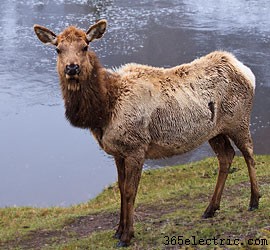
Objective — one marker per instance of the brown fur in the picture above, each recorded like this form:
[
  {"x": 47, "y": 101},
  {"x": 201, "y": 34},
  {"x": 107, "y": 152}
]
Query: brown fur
[{"x": 139, "y": 112}]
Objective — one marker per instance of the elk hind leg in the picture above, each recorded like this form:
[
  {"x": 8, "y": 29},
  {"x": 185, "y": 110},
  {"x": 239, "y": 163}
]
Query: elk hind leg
[
  {"x": 225, "y": 154},
  {"x": 244, "y": 142}
]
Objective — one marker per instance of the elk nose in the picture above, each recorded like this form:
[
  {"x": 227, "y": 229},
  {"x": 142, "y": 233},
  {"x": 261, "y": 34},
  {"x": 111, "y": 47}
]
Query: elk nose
[{"x": 72, "y": 69}]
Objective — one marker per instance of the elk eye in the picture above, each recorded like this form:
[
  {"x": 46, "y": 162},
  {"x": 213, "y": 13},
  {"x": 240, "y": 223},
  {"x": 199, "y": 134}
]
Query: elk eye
[
  {"x": 57, "y": 50},
  {"x": 85, "y": 48}
]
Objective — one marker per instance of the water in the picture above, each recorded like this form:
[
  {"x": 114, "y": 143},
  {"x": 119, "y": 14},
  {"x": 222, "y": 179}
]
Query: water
[{"x": 45, "y": 161}]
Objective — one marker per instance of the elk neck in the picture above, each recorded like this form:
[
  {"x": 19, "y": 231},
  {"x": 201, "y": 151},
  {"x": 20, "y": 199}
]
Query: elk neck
[{"x": 89, "y": 105}]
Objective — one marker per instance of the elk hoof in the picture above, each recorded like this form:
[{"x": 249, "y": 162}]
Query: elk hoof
[
  {"x": 254, "y": 203},
  {"x": 117, "y": 235},
  {"x": 252, "y": 208},
  {"x": 210, "y": 211},
  {"x": 208, "y": 214},
  {"x": 121, "y": 244}
]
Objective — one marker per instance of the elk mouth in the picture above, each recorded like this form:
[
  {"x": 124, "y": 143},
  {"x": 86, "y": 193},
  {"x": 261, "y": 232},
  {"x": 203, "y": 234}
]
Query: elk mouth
[
  {"x": 73, "y": 87},
  {"x": 73, "y": 83}
]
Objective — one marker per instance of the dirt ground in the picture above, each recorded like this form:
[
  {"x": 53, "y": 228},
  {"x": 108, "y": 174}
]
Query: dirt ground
[{"x": 83, "y": 226}]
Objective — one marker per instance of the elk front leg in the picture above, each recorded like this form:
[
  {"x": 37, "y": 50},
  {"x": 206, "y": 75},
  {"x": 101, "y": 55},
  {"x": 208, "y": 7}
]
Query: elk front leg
[
  {"x": 120, "y": 164},
  {"x": 132, "y": 174}
]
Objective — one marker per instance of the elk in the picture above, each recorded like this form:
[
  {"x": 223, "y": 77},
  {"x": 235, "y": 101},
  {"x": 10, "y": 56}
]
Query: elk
[{"x": 140, "y": 112}]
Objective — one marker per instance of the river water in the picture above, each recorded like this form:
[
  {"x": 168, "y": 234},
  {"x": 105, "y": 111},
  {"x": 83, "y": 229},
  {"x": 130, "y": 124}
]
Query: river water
[{"x": 43, "y": 160}]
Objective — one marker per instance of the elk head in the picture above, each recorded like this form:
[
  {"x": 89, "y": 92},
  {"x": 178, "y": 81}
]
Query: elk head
[{"x": 73, "y": 63}]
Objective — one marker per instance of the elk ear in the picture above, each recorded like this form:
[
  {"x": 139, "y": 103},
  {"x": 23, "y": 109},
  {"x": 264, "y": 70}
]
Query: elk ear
[
  {"x": 45, "y": 35},
  {"x": 97, "y": 30}
]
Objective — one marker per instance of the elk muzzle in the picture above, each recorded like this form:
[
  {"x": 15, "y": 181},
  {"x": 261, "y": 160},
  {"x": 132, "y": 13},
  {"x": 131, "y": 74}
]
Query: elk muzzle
[{"x": 72, "y": 69}]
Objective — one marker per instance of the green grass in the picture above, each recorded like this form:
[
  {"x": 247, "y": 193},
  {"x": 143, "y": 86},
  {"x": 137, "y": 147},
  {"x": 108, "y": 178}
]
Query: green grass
[{"x": 170, "y": 203}]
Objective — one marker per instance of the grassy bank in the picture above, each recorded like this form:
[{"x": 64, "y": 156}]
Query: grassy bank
[{"x": 169, "y": 204}]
